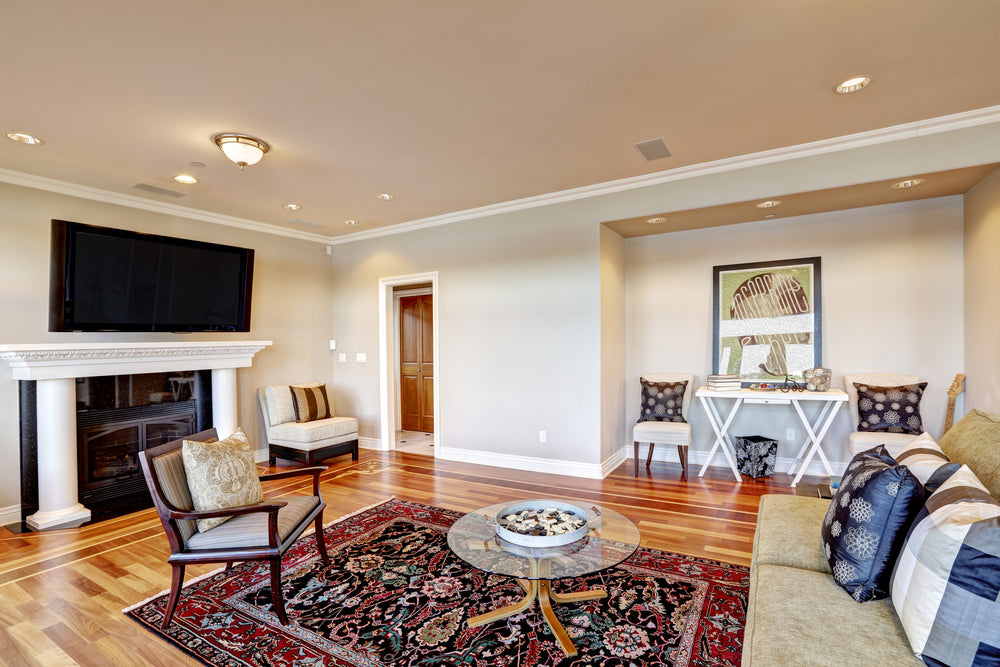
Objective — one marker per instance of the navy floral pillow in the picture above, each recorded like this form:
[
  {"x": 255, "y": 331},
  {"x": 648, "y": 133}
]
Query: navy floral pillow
[
  {"x": 662, "y": 401},
  {"x": 890, "y": 409},
  {"x": 866, "y": 525}
]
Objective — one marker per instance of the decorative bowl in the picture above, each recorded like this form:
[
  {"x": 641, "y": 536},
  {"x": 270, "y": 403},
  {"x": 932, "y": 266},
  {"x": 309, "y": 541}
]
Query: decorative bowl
[{"x": 505, "y": 527}]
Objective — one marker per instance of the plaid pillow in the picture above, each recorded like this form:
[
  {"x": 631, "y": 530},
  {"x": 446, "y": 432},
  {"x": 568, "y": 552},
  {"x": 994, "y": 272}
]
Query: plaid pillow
[
  {"x": 311, "y": 402},
  {"x": 944, "y": 586}
]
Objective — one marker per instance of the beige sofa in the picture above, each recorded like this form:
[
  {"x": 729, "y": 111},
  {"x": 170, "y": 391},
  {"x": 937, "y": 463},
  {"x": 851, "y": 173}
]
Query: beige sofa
[{"x": 796, "y": 614}]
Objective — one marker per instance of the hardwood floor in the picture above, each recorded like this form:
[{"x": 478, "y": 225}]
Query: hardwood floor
[{"x": 62, "y": 591}]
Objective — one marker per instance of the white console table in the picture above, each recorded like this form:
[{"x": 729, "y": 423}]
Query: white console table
[{"x": 815, "y": 431}]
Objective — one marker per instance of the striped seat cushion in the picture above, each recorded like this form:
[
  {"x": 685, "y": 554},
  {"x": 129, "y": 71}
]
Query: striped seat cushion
[
  {"x": 946, "y": 580},
  {"x": 250, "y": 530},
  {"x": 169, "y": 470}
]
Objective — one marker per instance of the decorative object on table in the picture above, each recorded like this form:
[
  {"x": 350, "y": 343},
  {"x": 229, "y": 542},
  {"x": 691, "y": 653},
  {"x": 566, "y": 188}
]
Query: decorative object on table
[
  {"x": 767, "y": 319},
  {"x": 763, "y": 386},
  {"x": 890, "y": 409},
  {"x": 817, "y": 379},
  {"x": 867, "y": 521},
  {"x": 393, "y": 594},
  {"x": 755, "y": 455},
  {"x": 542, "y": 523},
  {"x": 728, "y": 382},
  {"x": 956, "y": 387},
  {"x": 791, "y": 385}
]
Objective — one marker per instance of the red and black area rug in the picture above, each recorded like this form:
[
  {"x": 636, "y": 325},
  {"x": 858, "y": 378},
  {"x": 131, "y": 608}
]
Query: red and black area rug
[{"x": 394, "y": 594}]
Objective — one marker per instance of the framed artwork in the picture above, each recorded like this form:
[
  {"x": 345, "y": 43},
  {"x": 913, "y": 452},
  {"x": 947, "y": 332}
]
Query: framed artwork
[{"x": 767, "y": 319}]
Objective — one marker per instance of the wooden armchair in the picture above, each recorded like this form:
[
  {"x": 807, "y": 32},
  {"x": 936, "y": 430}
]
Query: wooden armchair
[{"x": 257, "y": 532}]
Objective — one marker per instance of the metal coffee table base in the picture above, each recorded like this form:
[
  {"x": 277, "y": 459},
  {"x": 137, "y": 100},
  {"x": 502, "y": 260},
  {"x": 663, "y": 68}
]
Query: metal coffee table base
[{"x": 541, "y": 589}]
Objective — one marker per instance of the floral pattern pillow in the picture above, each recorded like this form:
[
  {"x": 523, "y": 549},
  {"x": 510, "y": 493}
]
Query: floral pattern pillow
[
  {"x": 890, "y": 409},
  {"x": 221, "y": 475},
  {"x": 662, "y": 401}
]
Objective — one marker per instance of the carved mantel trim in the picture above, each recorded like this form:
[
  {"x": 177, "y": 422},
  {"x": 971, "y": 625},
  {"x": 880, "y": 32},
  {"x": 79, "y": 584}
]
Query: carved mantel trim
[{"x": 49, "y": 361}]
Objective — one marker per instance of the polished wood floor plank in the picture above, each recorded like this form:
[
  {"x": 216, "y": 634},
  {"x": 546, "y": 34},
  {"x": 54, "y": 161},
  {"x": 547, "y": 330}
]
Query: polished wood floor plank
[{"x": 62, "y": 592}]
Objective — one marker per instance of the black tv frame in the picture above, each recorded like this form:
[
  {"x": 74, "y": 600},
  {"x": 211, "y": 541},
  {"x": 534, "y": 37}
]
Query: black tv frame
[{"x": 60, "y": 315}]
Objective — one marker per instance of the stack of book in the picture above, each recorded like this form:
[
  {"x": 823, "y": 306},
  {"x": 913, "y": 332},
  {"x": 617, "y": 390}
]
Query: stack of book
[{"x": 723, "y": 382}]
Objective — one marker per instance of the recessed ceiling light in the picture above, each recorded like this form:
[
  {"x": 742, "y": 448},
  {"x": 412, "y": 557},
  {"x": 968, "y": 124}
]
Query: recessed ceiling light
[
  {"x": 770, "y": 203},
  {"x": 292, "y": 207},
  {"x": 23, "y": 138},
  {"x": 385, "y": 196},
  {"x": 187, "y": 179},
  {"x": 350, "y": 222},
  {"x": 852, "y": 85},
  {"x": 656, "y": 221},
  {"x": 909, "y": 183},
  {"x": 769, "y": 216}
]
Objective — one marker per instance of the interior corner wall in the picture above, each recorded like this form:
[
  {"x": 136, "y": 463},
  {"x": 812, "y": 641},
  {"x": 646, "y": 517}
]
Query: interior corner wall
[
  {"x": 892, "y": 289},
  {"x": 291, "y": 302},
  {"x": 613, "y": 426},
  {"x": 982, "y": 305},
  {"x": 518, "y": 332}
]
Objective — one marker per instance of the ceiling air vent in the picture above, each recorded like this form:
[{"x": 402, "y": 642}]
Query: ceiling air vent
[
  {"x": 155, "y": 189},
  {"x": 299, "y": 222},
  {"x": 654, "y": 149}
]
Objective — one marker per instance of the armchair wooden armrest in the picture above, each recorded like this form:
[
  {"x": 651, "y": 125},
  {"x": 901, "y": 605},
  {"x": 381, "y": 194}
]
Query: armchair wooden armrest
[
  {"x": 315, "y": 471},
  {"x": 265, "y": 506}
]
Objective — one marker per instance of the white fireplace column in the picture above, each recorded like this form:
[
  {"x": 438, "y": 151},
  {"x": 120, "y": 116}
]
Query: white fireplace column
[
  {"x": 57, "y": 469},
  {"x": 56, "y": 366}
]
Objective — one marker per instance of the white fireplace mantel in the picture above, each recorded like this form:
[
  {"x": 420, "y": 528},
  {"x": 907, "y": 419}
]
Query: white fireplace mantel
[
  {"x": 50, "y": 361},
  {"x": 56, "y": 366}
]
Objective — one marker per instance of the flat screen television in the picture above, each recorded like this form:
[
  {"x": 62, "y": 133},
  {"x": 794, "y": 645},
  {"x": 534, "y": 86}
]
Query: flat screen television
[{"x": 105, "y": 279}]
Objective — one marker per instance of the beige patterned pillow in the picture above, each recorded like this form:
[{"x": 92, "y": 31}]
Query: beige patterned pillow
[
  {"x": 311, "y": 402},
  {"x": 221, "y": 475}
]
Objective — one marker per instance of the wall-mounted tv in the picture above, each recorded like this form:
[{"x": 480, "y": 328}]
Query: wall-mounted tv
[{"x": 105, "y": 279}]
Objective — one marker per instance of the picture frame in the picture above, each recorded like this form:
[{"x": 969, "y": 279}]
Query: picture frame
[{"x": 767, "y": 319}]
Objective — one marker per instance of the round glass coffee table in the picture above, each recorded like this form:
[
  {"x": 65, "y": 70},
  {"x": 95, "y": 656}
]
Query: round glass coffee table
[{"x": 610, "y": 539}]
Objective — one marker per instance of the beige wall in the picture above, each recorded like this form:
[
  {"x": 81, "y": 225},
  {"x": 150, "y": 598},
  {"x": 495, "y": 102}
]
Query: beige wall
[
  {"x": 518, "y": 329},
  {"x": 982, "y": 305},
  {"x": 892, "y": 302},
  {"x": 291, "y": 302},
  {"x": 613, "y": 422}
]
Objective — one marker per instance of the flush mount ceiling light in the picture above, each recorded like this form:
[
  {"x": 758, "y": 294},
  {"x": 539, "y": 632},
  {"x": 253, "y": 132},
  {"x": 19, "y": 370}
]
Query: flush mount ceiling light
[
  {"x": 656, "y": 220},
  {"x": 23, "y": 138},
  {"x": 242, "y": 149},
  {"x": 909, "y": 183},
  {"x": 770, "y": 203},
  {"x": 852, "y": 85},
  {"x": 187, "y": 179},
  {"x": 385, "y": 196}
]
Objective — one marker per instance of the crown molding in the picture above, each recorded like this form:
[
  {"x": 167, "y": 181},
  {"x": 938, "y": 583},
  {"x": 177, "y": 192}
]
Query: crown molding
[
  {"x": 132, "y": 201},
  {"x": 923, "y": 128}
]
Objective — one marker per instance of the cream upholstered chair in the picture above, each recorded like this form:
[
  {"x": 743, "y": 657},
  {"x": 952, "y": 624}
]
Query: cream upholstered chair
[
  {"x": 262, "y": 531},
  {"x": 864, "y": 440},
  {"x": 309, "y": 442},
  {"x": 666, "y": 433}
]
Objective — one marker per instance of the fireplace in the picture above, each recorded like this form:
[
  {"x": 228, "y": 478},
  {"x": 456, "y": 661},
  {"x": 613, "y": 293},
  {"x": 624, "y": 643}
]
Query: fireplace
[{"x": 54, "y": 407}]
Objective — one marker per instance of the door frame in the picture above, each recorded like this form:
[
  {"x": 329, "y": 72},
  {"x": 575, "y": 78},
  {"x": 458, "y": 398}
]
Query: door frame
[
  {"x": 397, "y": 294},
  {"x": 388, "y": 363}
]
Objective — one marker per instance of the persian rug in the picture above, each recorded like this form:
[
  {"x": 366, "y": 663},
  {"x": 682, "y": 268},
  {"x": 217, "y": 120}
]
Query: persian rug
[{"x": 394, "y": 594}]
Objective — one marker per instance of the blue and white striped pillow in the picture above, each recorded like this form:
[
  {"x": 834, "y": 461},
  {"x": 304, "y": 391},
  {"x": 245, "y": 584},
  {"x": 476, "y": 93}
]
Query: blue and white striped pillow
[{"x": 946, "y": 580}]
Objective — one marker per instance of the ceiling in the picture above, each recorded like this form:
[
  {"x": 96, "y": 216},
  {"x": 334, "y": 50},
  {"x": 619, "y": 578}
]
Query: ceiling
[{"x": 451, "y": 105}]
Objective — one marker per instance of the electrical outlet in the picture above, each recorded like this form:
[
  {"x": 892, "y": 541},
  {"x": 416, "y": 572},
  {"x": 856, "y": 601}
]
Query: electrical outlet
[
  {"x": 542, "y": 436},
  {"x": 790, "y": 435}
]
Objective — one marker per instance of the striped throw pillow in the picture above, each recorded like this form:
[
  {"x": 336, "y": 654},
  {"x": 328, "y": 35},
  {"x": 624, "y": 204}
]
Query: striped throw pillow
[
  {"x": 311, "y": 402},
  {"x": 945, "y": 583},
  {"x": 924, "y": 458}
]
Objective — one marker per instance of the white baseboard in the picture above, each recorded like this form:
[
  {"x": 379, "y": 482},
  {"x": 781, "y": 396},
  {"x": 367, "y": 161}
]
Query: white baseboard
[
  {"x": 10, "y": 514},
  {"x": 696, "y": 457},
  {"x": 572, "y": 468},
  {"x": 613, "y": 461},
  {"x": 371, "y": 443}
]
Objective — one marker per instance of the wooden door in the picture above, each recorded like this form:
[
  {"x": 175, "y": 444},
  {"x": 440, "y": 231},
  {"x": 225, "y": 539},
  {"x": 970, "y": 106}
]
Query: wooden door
[{"x": 416, "y": 356}]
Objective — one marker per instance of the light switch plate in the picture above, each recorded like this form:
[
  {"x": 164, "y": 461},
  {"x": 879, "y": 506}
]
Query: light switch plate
[
  {"x": 342, "y": 357},
  {"x": 333, "y": 345},
  {"x": 362, "y": 358}
]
